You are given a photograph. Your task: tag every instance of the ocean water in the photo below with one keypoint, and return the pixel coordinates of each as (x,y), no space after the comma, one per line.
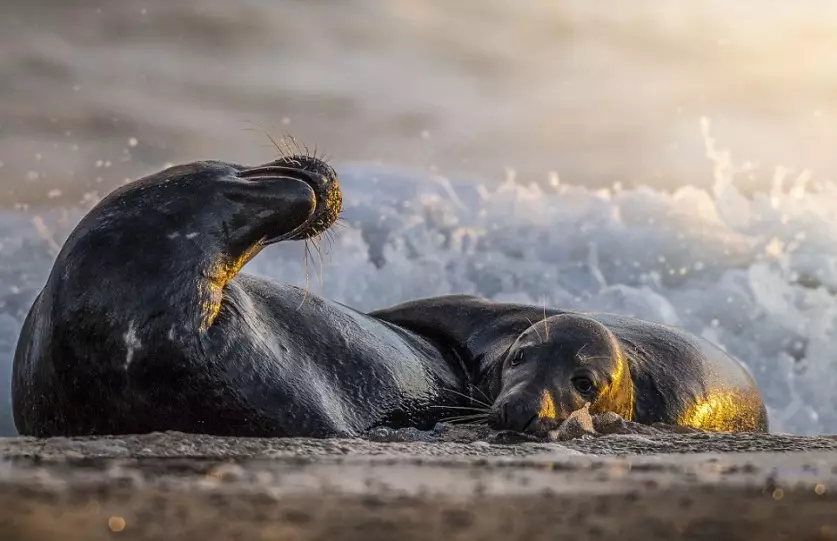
(756,275)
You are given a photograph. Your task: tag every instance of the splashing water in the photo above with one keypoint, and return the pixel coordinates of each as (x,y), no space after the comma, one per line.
(755,275)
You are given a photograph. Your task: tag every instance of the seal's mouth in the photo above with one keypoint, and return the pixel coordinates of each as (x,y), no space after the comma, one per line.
(531,423)
(541,427)
(320,176)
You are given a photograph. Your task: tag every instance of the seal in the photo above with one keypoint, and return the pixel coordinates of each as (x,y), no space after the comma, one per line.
(539,365)
(147,324)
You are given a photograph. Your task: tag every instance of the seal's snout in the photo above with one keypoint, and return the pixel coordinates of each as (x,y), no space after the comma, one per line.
(320,177)
(514,414)
(533,414)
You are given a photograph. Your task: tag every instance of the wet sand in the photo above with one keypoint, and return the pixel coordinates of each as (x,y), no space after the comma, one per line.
(176,486)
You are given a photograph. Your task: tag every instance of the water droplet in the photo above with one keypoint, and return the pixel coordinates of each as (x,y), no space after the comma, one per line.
(116,524)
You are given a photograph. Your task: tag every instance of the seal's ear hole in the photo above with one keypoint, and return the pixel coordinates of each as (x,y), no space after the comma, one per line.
(584,385)
(517,358)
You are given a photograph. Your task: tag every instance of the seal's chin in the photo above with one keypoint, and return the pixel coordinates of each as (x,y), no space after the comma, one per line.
(322,179)
(541,427)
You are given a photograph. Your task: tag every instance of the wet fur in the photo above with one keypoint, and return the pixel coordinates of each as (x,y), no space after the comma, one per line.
(670,370)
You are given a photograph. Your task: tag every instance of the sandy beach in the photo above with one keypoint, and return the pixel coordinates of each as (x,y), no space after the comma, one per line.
(175,486)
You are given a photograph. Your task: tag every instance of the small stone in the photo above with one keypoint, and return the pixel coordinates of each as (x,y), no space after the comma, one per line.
(610,423)
(578,424)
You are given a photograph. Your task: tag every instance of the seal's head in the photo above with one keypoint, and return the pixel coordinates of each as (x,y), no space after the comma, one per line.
(554,368)
(293,198)
(204,220)
(230,206)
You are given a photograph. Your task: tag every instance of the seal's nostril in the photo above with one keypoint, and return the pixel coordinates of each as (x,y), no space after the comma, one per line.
(514,415)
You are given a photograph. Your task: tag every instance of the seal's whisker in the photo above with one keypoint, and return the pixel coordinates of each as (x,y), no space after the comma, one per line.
(466,408)
(258,127)
(285,153)
(274,143)
(532,326)
(308,244)
(319,253)
(546,326)
(468,416)
(291,143)
(288,146)
(325,245)
(595,358)
(488,398)
(329,236)
(480,402)
(474,419)
(305,269)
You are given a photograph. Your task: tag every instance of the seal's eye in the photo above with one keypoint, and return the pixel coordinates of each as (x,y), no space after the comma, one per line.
(517,358)
(584,385)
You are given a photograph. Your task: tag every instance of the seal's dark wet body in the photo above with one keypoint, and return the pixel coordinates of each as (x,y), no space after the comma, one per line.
(672,376)
(145,323)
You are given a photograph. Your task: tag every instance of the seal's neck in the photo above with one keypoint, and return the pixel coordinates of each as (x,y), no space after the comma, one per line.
(158,282)
(221,269)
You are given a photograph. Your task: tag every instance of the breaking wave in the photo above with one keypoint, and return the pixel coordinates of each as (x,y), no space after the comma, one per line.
(756,275)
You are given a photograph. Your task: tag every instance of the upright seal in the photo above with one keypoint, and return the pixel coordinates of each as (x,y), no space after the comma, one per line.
(145,325)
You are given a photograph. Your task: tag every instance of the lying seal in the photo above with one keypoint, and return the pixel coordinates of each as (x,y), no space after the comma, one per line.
(145,324)
(537,374)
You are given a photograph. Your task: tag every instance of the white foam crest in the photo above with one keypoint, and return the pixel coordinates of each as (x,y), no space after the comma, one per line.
(756,275)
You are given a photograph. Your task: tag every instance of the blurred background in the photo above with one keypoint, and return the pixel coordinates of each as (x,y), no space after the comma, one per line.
(96,91)
(710,125)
